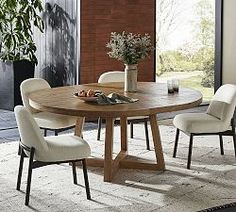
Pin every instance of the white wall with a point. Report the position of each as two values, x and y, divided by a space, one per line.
229 42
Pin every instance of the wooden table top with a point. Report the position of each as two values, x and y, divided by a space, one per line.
153 98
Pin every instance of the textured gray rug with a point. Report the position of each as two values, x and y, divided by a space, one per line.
210 182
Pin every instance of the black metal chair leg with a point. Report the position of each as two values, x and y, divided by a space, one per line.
190 151
234 139
86 179
131 129
20 169
45 132
99 128
221 145
74 172
176 143
146 135
29 175
56 132
19 149
234 135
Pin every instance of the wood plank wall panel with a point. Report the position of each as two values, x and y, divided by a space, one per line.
57 45
98 20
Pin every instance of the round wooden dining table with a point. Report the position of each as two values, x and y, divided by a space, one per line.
153 98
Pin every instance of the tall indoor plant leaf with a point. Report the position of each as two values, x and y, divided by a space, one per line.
17 19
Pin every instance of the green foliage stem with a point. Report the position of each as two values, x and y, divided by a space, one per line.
129 48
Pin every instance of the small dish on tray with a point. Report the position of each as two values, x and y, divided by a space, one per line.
86 98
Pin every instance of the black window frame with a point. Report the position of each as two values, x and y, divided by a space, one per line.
218 43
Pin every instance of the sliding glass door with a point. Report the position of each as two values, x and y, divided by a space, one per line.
185 47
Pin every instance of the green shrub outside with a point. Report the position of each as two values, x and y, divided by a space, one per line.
176 61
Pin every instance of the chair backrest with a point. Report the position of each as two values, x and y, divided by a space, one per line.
30 85
112 76
223 103
29 131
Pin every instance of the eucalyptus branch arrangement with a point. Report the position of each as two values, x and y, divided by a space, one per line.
129 48
17 18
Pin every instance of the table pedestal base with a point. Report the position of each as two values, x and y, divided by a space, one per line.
123 160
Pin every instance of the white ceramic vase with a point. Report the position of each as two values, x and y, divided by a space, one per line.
131 77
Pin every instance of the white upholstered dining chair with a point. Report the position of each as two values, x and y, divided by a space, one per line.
49 150
118 76
45 120
218 120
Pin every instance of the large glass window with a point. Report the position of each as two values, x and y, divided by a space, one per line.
185 45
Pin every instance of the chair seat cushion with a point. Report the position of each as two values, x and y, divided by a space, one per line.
199 123
53 120
64 147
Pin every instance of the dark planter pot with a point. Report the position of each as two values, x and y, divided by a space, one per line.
11 76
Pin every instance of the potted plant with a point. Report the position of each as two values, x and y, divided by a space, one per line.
18 19
130 49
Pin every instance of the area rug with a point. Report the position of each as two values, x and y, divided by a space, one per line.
210 182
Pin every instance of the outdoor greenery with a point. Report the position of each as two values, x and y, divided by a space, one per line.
129 48
177 61
191 80
196 54
195 83
17 18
